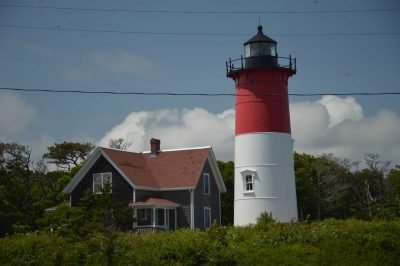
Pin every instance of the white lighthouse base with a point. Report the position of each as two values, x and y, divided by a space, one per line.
268 158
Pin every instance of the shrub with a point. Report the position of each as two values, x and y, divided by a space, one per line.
329 242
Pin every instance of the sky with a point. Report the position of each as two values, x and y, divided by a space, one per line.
79 45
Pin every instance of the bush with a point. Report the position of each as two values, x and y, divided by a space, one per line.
329 242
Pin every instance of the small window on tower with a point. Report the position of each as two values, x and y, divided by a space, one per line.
249 183
249 177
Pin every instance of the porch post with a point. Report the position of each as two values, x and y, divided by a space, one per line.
135 216
165 218
176 218
191 208
154 217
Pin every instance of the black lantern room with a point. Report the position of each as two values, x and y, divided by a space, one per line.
260 52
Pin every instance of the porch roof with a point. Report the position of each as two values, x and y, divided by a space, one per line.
154 202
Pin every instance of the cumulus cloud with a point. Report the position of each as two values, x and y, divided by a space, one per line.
15 114
330 125
340 109
177 129
337 125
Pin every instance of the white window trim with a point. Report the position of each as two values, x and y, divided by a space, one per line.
102 181
244 174
208 184
204 214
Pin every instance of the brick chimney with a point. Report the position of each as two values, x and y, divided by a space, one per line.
155 146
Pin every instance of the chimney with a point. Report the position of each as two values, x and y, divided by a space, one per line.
155 146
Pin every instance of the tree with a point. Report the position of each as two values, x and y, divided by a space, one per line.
306 190
96 213
322 186
68 154
119 144
227 171
393 179
17 181
377 171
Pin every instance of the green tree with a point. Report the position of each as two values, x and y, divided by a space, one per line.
393 180
68 154
306 190
322 186
17 185
227 170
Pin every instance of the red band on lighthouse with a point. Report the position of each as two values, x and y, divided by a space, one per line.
262 101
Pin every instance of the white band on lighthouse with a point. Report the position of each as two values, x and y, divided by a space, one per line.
262 175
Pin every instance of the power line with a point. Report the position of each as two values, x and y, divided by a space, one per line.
59 28
196 94
205 11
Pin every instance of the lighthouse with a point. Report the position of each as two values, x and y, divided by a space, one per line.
264 168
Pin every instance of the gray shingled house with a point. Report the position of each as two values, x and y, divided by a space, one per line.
166 188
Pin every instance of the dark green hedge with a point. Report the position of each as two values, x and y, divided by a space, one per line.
330 242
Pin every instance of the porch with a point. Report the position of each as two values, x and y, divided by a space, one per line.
154 214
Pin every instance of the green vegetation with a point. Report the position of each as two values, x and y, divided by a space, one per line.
328 242
93 232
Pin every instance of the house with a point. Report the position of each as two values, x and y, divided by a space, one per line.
166 188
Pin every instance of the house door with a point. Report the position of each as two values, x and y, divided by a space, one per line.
171 219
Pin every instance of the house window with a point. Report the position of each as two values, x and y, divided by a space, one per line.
207 217
206 179
100 181
249 183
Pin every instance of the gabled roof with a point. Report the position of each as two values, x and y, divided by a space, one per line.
169 170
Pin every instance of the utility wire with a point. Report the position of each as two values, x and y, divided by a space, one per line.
198 94
60 28
204 11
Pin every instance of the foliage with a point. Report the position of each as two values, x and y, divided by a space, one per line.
68 154
331 187
265 219
329 242
96 214
227 171
393 180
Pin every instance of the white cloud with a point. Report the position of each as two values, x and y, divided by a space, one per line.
177 129
39 146
330 125
15 114
341 109
338 126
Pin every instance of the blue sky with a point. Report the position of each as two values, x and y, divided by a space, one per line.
67 60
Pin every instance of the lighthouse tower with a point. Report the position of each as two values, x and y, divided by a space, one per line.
264 169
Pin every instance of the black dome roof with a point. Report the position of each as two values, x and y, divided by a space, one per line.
260 37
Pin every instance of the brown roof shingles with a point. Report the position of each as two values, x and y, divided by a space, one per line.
167 170
152 201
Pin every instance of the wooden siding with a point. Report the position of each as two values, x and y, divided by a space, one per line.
201 200
121 190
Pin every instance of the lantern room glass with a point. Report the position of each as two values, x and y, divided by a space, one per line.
260 49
